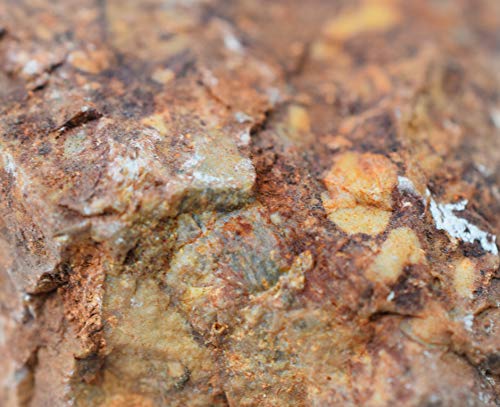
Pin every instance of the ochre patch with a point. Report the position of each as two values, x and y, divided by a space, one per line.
298 119
361 219
371 16
128 400
464 277
91 62
432 328
401 248
359 192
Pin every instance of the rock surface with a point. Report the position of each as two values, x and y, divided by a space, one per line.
242 203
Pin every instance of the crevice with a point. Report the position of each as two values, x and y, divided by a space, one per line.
300 65
213 95
262 125
107 211
84 116
25 377
378 315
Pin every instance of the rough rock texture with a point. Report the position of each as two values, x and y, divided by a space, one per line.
249 203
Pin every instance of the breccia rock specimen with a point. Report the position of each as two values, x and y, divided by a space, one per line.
249 203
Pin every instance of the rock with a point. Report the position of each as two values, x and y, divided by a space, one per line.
238 203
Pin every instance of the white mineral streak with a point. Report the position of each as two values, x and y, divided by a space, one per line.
207 178
405 185
193 161
274 96
484 170
468 321
9 164
232 43
130 164
209 78
242 117
218 165
244 138
126 167
31 68
495 117
194 166
460 228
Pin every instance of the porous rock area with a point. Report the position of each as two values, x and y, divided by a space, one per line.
249 203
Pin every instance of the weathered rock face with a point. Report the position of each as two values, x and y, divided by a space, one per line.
287 203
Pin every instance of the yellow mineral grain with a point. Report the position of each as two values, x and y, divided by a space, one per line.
301 264
193 295
371 16
158 122
360 219
336 143
401 248
359 192
298 119
463 280
91 62
163 76
324 50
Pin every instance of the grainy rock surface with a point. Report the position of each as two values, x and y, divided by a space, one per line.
249 203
